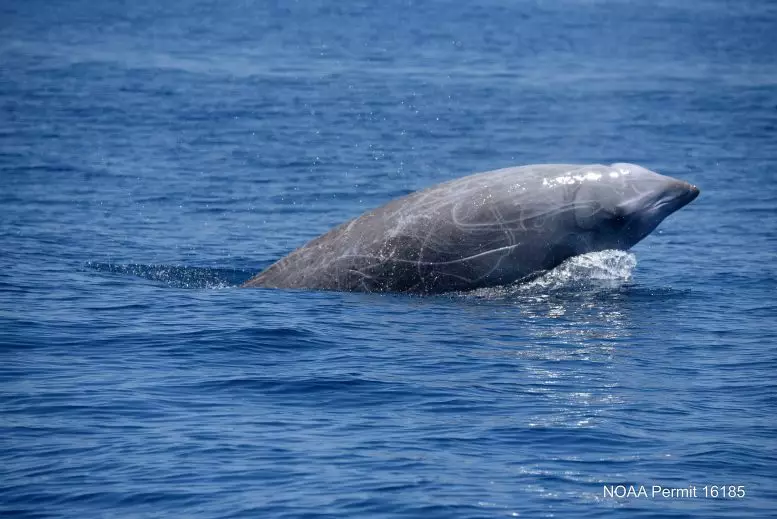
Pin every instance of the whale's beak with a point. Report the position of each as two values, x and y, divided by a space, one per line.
686 193
644 212
666 197
675 196
694 192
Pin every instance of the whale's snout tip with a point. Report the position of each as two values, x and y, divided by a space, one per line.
694 192
686 192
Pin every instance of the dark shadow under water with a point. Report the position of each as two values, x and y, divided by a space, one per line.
177 276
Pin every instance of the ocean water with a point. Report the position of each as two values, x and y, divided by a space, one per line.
156 154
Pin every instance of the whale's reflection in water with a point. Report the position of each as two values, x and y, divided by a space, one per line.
572 330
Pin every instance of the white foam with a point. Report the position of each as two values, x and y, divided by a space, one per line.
606 270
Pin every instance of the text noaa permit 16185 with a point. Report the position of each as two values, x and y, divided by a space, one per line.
662 492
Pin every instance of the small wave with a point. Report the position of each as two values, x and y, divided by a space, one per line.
178 276
595 271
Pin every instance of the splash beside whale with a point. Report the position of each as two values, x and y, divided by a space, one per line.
484 230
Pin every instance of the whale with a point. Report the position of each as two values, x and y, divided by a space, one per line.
483 230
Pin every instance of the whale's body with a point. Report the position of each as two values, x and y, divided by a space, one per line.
483 230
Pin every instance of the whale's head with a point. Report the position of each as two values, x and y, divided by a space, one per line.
617 206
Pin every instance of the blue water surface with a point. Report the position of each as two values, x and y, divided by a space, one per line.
156 154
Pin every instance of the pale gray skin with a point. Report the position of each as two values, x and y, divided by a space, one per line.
484 230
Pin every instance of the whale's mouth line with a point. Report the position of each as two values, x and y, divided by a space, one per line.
677 201
678 197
